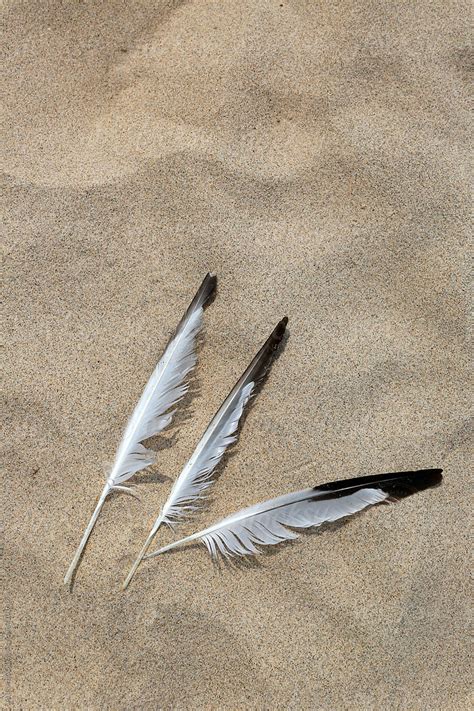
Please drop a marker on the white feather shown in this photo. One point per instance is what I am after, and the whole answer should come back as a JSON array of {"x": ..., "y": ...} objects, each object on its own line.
[
  {"x": 270, "y": 522},
  {"x": 152, "y": 413},
  {"x": 191, "y": 486}
]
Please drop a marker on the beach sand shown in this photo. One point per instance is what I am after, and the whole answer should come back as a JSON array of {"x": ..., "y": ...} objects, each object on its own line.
[{"x": 314, "y": 156}]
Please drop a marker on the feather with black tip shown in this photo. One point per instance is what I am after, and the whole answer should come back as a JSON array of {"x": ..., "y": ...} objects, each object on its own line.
[
  {"x": 271, "y": 522},
  {"x": 191, "y": 486},
  {"x": 152, "y": 413}
]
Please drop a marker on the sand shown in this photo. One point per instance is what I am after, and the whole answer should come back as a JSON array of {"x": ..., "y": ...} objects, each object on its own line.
[{"x": 314, "y": 156}]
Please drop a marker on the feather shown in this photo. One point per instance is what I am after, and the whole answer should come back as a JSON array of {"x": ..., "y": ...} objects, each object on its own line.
[
  {"x": 152, "y": 413},
  {"x": 191, "y": 486},
  {"x": 271, "y": 522}
]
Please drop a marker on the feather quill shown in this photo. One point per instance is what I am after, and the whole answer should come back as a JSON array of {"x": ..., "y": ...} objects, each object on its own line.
[
  {"x": 191, "y": 486},
  {"x": 152, "y": 414},
  {"x": 271, "y": 522}
]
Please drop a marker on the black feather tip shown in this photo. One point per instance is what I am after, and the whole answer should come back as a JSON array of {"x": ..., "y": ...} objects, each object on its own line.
[
  {"x": 259, "y": 366},
  {"x": 209, "y": 287},
  {"x": 278, "y": 332},
  {"x": 397, "y": 484}
]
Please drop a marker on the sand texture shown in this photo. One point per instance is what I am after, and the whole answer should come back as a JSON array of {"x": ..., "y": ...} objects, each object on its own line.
[{"x": 313, "y": 155}]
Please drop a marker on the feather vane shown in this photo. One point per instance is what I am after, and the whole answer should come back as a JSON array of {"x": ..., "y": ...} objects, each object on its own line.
[
  {"x": 196, "y": 477},
  {"x": 164, "y": 389}
]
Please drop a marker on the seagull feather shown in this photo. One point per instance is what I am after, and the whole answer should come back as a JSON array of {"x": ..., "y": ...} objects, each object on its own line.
[
  {"x": 152, "y": 414},
  {"x": 191, "y": 486},
  {"x": 271, "y": 522}
]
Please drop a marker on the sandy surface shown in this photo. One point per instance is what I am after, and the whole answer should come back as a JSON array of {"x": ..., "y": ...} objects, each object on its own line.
[{"x": 314, "y": 156}]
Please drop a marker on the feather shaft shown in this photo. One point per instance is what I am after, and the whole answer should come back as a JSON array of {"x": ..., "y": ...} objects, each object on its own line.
[
  {"x": 175, "y": 544},
  {"x": 87, "y": 533},
  {"x": 140, "y": 557}
]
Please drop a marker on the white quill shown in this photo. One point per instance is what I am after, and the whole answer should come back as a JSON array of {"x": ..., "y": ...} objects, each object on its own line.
[
  {"x": 270, "y": 522},
  {"x": 151, "y": 414},
  {"x": 191, "y": 486}
]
